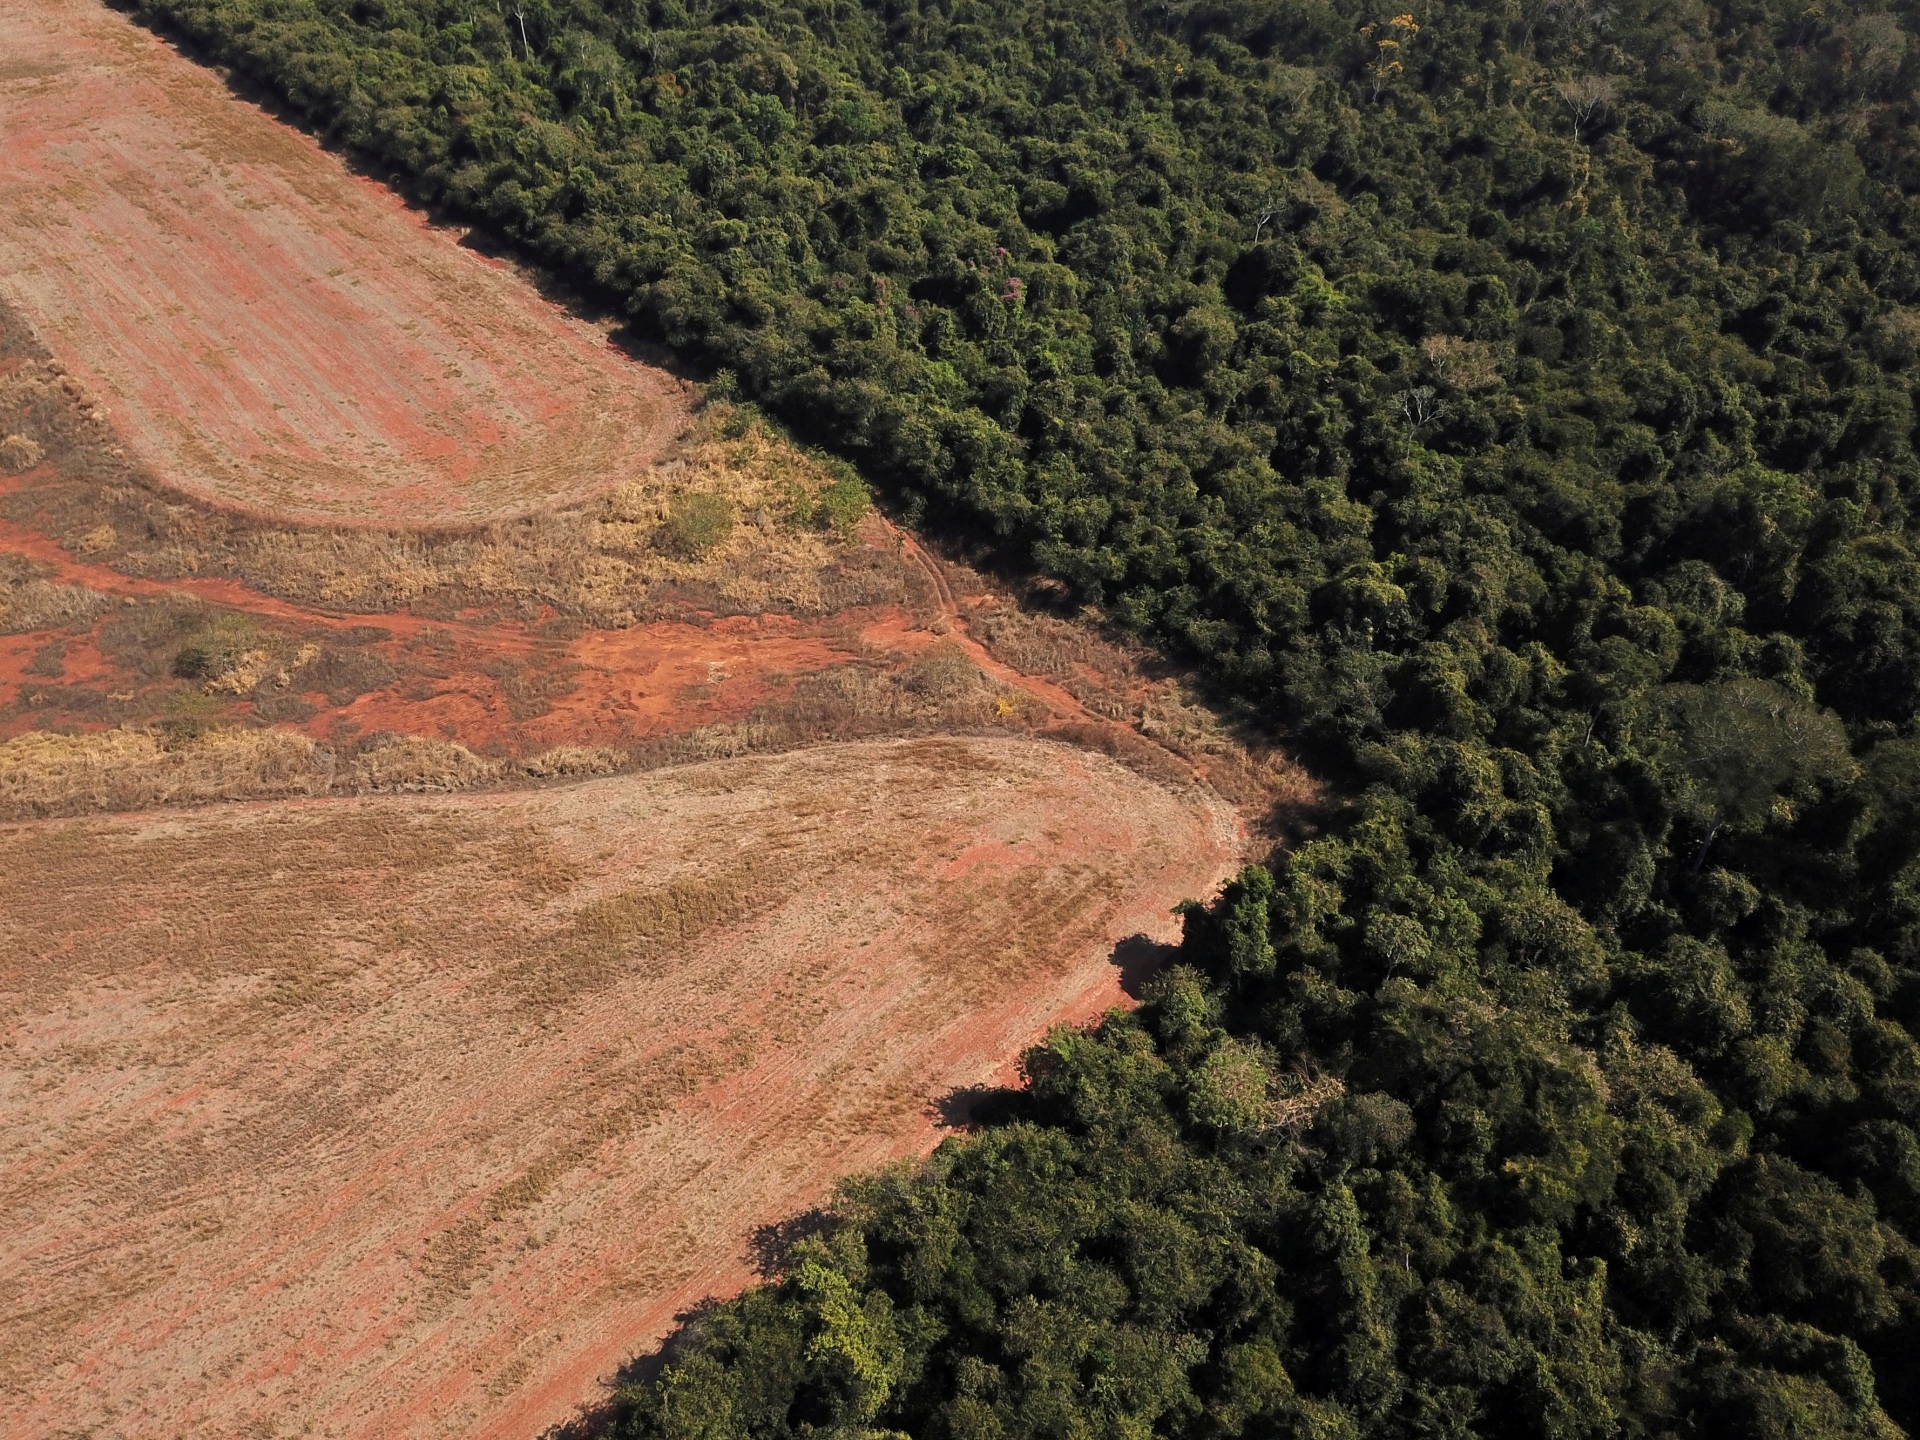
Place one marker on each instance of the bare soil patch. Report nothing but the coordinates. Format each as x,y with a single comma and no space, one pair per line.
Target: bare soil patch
616,560
725,600
416,1095
271,331
124,610
417,1115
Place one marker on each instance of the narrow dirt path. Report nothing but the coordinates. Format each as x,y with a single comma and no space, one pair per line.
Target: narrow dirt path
1064,708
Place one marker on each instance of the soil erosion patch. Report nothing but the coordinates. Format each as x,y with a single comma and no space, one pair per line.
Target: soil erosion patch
270,330
415,1115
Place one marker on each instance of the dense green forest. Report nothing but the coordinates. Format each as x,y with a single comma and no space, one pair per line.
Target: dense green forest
1513,402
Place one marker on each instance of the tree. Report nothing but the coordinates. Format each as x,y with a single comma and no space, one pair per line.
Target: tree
1743,745
1586,98
1548,675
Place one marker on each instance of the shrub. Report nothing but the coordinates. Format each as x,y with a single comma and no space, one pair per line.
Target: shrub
18,453
844,503
697,524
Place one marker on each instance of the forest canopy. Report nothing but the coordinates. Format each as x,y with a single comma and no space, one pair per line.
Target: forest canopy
1512,401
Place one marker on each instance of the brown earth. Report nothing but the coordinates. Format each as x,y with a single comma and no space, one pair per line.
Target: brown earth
122,608
272,331
368,1108
416,1116
421,1114
582,626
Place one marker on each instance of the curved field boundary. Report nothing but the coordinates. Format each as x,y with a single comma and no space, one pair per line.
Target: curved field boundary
414,1116
272,332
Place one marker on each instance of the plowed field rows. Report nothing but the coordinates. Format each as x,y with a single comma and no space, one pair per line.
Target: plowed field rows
269,330
419,1114
415,1116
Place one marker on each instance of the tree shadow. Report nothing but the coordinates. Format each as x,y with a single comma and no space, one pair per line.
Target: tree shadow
772,1245
975,1107
771,1249
595,1421
968,1108
1139,958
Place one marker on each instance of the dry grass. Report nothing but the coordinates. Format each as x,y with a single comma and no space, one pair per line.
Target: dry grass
30,602
1121,680
861,701
565,762
736,521
417,765
641,929
945,672
739,522
17,454
42,774
194,757
193,760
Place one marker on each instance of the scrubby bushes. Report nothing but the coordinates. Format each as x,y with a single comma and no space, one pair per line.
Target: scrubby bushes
697,523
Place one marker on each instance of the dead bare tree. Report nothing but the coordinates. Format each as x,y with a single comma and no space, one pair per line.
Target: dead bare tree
1421,406
1587,98
1270,208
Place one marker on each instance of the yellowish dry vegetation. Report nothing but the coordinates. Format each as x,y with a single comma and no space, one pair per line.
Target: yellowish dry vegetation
416,765
568,761
1123,681
737,521
43,774
602,562
30,602
18,453
1461,364
859,702
186,763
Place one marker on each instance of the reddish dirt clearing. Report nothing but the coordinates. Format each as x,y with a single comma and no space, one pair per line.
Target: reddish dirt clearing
416,1116
271,331
411,1115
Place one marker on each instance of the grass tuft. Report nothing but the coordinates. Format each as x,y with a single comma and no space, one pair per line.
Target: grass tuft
697,524
19,453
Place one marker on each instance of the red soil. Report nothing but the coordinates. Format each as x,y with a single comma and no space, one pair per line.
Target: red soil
271,331
392,1116
506,687
503,688
376,1118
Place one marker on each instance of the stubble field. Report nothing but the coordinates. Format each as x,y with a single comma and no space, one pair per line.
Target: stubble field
364,1070
412,1116
267,329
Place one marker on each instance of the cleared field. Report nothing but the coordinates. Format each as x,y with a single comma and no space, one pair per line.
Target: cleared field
414,1116
418,1114
270,331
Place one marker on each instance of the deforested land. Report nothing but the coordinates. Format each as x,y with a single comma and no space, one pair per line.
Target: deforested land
493,832
1507,410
